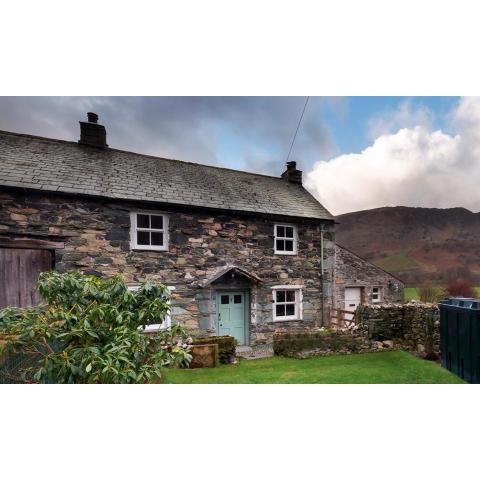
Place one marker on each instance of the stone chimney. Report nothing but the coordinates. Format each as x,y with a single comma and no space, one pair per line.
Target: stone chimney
291,174
91,133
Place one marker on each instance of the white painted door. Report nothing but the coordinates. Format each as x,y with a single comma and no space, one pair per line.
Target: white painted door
353,298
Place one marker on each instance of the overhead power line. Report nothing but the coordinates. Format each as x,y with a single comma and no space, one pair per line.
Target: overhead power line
296,131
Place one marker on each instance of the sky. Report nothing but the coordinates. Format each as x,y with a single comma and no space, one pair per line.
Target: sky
356,153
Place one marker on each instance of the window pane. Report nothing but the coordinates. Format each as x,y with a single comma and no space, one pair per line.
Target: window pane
280,231
143,238
289,232
157,221
290,309
280,245
157,238
237,299
375,289
289,245
280,310
225,299
280,295
143,221
290,296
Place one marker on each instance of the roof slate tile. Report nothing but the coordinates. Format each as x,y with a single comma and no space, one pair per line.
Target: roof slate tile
47,164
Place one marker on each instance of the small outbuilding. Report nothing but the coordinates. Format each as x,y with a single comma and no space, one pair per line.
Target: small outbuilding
359,282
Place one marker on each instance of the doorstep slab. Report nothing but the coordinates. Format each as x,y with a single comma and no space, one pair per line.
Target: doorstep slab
258,351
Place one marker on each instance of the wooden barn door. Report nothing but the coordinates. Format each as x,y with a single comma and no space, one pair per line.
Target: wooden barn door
19,270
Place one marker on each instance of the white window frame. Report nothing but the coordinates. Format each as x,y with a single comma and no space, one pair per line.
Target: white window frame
155,327
134,229
298,303
380,294
294,239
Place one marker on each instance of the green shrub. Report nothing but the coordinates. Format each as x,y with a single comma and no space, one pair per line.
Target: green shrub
226,346
431,294
328,340
90,331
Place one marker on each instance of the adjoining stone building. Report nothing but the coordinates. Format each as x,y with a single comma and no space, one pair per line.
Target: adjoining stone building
359,282
244,254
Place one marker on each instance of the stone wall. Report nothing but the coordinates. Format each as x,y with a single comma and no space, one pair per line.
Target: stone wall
353,271
320,342
97,241
407,325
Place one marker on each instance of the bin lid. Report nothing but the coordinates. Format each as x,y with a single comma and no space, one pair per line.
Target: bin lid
461,302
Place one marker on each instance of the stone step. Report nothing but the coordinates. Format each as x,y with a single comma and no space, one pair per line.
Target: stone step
258,351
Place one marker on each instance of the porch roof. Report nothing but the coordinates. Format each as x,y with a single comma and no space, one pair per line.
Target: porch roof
231,268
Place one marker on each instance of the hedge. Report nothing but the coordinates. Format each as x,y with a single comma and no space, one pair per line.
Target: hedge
323,341
226,346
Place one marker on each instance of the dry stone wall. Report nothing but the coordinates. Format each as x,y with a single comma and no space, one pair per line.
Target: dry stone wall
96,235
413,326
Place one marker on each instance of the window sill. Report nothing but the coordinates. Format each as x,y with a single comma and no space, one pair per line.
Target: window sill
145,249
285,253
276,320
155,327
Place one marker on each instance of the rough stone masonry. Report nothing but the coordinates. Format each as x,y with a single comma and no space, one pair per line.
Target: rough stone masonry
96,236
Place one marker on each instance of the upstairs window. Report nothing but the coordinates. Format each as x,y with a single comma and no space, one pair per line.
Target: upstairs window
285,239
149,231
376,294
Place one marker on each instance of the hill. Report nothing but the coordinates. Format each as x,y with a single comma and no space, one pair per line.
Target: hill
420,245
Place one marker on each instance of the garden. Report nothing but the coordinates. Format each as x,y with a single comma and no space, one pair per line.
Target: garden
381,367
93,330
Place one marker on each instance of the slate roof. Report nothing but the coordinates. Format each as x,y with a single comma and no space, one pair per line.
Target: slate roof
55,165
341,247
224,270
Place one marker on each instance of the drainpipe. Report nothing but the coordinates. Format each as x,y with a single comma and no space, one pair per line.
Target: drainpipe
321,249
322,273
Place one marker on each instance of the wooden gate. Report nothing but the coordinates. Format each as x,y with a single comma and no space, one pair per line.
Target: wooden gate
19,270
341,318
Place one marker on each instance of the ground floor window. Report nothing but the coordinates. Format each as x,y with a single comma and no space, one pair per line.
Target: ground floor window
154,327
376,294
287,303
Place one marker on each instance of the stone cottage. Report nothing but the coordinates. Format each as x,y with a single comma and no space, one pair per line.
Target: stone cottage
244,254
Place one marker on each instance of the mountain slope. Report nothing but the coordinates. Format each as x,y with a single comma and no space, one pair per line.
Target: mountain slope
420,245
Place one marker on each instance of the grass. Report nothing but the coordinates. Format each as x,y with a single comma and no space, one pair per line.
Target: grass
397,262
412,293
382,367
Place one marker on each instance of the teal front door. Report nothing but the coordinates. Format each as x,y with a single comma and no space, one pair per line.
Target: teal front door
231,315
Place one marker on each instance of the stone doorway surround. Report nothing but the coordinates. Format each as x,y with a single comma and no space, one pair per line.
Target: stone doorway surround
233,278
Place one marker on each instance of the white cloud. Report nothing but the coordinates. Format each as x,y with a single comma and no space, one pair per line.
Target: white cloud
414,167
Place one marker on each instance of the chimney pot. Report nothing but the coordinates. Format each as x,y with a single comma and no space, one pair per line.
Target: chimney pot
91,133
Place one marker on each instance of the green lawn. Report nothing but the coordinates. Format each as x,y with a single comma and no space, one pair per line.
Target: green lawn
412,293
383,367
